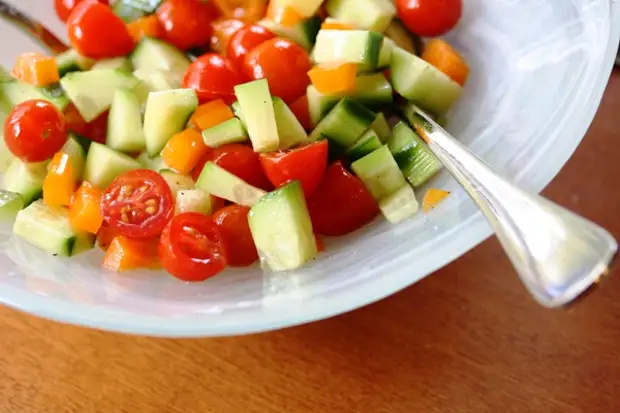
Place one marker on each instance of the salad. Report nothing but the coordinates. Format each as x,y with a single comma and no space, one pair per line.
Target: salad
195,135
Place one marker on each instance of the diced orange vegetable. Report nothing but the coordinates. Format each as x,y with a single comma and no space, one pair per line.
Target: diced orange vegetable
105,236
184,150
247,10
283,15
337,26
441,55
332,79
36,69
85,211
432,197
211,114
320,244
130,254
145,27
59,183
302,112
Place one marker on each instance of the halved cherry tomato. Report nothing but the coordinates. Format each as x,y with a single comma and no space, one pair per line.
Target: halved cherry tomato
191,247
284,64
430,18
65,7
138,204
96,32
235,229
213,77
341,204
302,112
306,165
223,30
239,160
35,130
187,23
245,40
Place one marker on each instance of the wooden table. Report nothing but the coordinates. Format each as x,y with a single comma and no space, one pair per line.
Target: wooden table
467,339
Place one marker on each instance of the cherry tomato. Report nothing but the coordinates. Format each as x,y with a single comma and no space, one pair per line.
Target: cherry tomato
284,64
65,7
223,30
306,164
138,204
239,160
35,130
245,40
191,247
96,32
213,77
302,112
235,229
341,204
187,23
95,131
430,18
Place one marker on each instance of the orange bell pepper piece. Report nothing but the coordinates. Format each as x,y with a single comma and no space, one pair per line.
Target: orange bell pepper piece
145,27
337,26
59,183
85,211
283,15
432,197
301,111
126,254
441,55
334,79
36,69
211,114
184,150
105,236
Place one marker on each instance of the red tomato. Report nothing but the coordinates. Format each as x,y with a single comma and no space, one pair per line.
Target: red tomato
35,130
284,64
430,18
187,23
65,7
213,77
96,32
138,204
239,160
223,30
191,247
302,112
235,229
306,165
97,129
341,204
245,40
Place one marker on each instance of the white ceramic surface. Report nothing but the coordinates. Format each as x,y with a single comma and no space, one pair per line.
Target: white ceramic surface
539,68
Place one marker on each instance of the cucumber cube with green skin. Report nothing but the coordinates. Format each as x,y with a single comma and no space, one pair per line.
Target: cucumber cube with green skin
104,164
344,124
14,92
221,183
156,164
282,230
194,200
125,131
368,143
385,54
381,127
231,131
10,204
25,180
258,115
375,15
156,55
114,63
361,47
72,61
303,33
380,173
77,155
399,206
177,182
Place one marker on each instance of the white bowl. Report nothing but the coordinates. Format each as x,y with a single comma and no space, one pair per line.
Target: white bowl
539,68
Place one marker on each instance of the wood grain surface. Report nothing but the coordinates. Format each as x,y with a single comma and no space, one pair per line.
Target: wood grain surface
467,339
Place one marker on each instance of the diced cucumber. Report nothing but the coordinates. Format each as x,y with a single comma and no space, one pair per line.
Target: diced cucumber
385,55
130,10
49,229
156,55
375,15
373,90
121,63
194,200
381,127
258,115
231,131
417,162
380,173
72,61
344,124
157,80
125,132
402,37
221,183
281,229
305,8
77,155
303,33
177,182
361,47
10,204
13,92
156,164
25,180
399,206
166,114
92,92
103,164
367,143
319,104
422,83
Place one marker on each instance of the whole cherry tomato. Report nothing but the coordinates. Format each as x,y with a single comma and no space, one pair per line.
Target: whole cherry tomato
187,23
191,247
284,64
430,18
95,131
65,7
235,229
138,204
213,77
245,40
35,130
223,30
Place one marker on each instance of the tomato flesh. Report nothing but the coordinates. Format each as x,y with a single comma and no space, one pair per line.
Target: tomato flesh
341,204
187,23
35,130
306,164
235,229
430,18
213,77
191,248
138,204
245,40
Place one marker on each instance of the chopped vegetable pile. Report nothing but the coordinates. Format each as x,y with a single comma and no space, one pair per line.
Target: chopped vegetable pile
195,135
